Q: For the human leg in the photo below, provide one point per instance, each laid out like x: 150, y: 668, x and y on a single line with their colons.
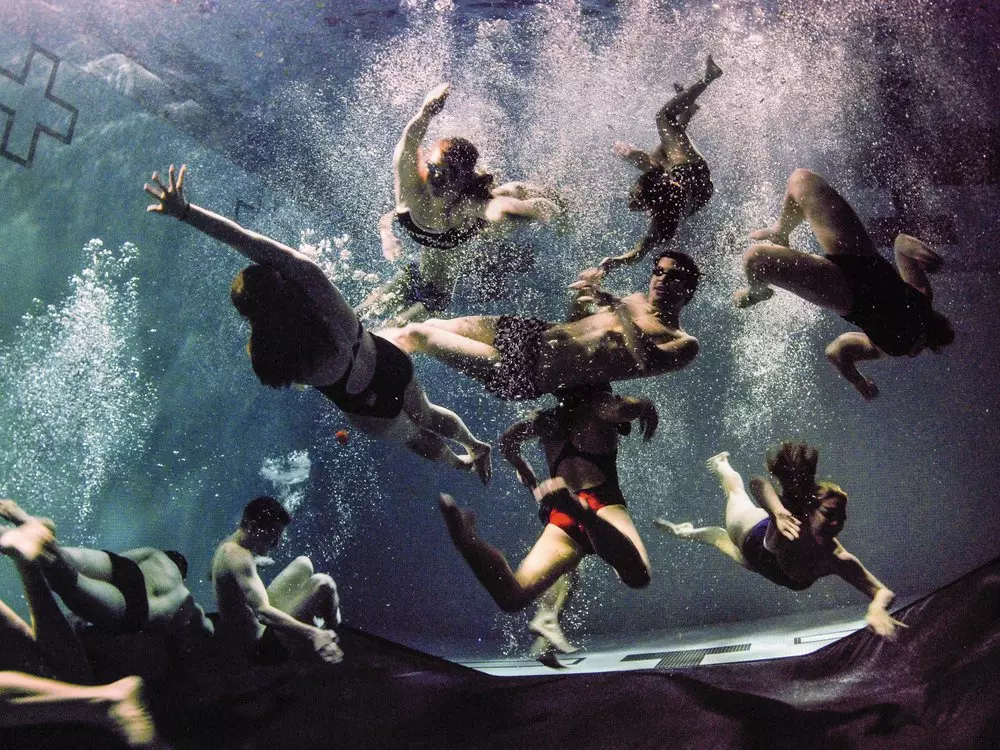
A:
x: 304, y: 594
x: 673, y: 117
x: 741, y: 513
x: 611, y: 532
x: 811, y: 277
x: 467, y: 355
x: 553, y: 554
x: 119, y: 707
x: 914, y: 261
x: 545, y: 624
x: 447, y: 424
x: 808, y: 197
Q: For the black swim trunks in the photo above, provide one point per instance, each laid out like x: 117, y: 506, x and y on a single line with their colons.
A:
x: 761, y: 560
x: 433, y: 297
x: 383, y: 398
x: 439, y: 240
x: 677, y: 192
x: 129, y: 580
x: 519, y: 342
x: 892, y: 313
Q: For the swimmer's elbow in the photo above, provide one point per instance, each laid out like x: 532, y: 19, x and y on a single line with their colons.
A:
x: 688, y: 350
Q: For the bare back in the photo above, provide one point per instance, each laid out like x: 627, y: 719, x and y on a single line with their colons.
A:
x: 239, y: 592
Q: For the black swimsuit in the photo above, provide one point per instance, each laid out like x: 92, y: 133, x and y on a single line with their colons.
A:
x: 127, y: 577
x: 761, y: 560
x: 383, y: 396
x: 608, y: 492
x: 892, y: 313
x: 440, y: 240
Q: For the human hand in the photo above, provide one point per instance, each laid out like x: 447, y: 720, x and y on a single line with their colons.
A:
x: 787, y: 524
x: 324, y: 643
x: 882, y: 623
x: 588, y: 283
x: 392, y: 249
x: 549, y: 487
x: 866, y: 388
x: 434, y: 101
x: 621, y: 149
x: 648, y: 420
x: 170, y: 196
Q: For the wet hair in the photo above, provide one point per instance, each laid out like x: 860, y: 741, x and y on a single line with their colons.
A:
x: 286, y: 335
x: 654, y: 190
x: 939, y: 330
x: 179, y: 560
x: 794, y: 466
x: 685, y: 263
x: 825, y: 489
x: 264, y: 511
x: 461, y: 155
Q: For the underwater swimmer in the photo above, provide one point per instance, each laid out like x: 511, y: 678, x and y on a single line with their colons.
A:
x: 892, y: 306
x: 276, y: 622
x: 675, y: 181
x: 605, y: 338
x: 140, y: 590
x: 791, y: 540
x: 443, y: 202
x: 302, y: 330
x: 582, y: 505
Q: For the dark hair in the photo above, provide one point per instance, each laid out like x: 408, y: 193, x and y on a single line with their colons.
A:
x: 264, y: 511
x: 686, y: 264
x: 286, y: 335
x: 179, y: 560
x: 462, y: 156
x: 939, y: 330
x: 653, y: 190
x: 794, y: 466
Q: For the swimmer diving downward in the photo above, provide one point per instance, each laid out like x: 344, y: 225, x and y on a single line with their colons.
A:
x: 302, y: 330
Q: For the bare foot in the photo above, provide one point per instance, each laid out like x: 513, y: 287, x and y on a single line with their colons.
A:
x: 28, y: 542
x: 712, y: 69
x: 920, y: 251
x: 681, y: 530
x: 11, y: 511
x: 546, y: 625
x: 771, y: 234
x: 461, y: 523
x: 715, y: 463
x: 481, y: 463
x: 547, y: 656
x: 129, y: 715
x: 743, y: 298
x: 866, y: 388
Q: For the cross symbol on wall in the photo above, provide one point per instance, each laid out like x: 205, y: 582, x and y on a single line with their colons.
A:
x: 31, y: 109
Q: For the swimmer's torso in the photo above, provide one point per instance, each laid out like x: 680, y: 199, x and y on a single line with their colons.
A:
x: 236, y: 618
x: 593, y: 349
x: 805, y: 559
x: 585, y: 435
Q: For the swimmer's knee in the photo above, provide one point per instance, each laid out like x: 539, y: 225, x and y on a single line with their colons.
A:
x: 802, y: 180
x: 303, y: 562
x: 757, y: 260
x: 323, y: 582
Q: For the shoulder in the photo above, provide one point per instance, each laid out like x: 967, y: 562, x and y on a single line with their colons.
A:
x: 231, y: 557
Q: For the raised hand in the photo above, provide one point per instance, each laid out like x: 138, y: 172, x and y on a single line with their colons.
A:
x: 170, y: 196
x: 434, y: 102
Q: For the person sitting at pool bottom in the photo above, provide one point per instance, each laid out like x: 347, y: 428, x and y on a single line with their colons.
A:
x: 276, y: 622
x: 605, y: 339
x: 302, y: 330
x: 792, y: 539
x: 442, y: 203
x: 891, y: 306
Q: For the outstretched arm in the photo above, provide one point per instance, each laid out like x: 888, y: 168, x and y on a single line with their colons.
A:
x: 392, y: 248
x: 849, y: 568
x: 765, y: 496
x: 845, y: 352
x: 537, y: 209
x: 510, y: 449
x: 632, y: 155
x: 662, y: 226
x: 406, y: 157
x: 628, y: 408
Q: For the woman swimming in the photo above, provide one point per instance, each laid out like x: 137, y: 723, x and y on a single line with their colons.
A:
x: 792, y: 539
x: 442, y: 202
x: 582, y: 506
x: 302, y: 330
